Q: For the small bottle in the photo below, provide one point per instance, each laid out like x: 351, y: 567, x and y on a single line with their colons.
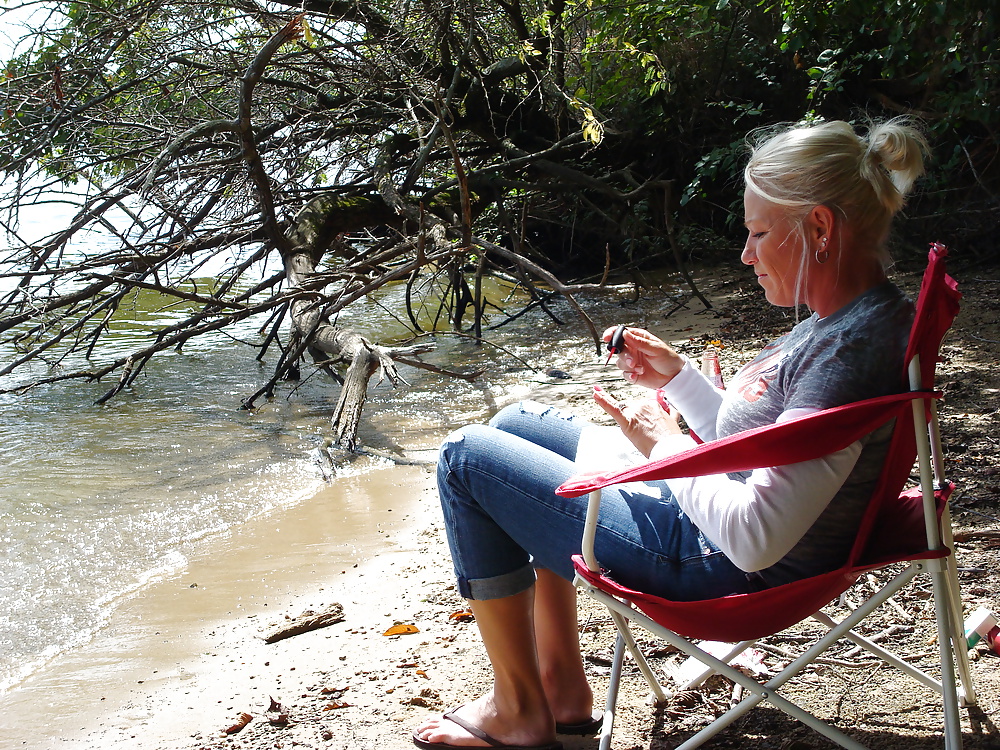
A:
x: 978, y: 626
x: 710, y: 367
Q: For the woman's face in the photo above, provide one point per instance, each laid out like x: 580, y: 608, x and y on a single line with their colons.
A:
x: 773, y: 249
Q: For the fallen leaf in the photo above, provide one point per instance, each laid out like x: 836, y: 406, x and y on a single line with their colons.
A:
x: 239, y: 725
x: 401, y: 629
x: 335, y: 704
x: 276, y: 715
x: 464, y: 615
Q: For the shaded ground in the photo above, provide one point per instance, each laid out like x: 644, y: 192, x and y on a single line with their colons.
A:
x: 381, y: 686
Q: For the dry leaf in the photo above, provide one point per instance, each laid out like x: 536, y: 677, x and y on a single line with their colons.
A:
x: 238, y: 726
x: 464, y: 615
x: 276, y: 715
x: 401, y: 629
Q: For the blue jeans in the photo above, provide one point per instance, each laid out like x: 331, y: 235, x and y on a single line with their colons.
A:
x: 503, y: 519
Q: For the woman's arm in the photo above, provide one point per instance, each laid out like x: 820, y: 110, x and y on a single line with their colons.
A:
x: 758, y: 522
x: 696, y: 398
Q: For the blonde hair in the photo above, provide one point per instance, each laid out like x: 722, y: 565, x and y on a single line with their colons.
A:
x: 863, y: 179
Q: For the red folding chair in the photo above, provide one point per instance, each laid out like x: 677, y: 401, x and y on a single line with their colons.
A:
x: 899, y: 526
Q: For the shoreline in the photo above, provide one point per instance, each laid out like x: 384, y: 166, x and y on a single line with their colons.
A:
x: 180, y: 661
x: 165, y: 667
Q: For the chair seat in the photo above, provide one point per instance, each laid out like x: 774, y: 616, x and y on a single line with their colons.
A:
x: 898, y: 537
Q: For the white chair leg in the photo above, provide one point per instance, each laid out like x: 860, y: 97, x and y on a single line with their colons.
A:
x: 949, y: 689
x: 967, y: 694
x: 612, y: 701
x: 625, y: 633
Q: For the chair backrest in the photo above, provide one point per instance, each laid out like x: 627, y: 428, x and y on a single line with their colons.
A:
x: 893, y: 525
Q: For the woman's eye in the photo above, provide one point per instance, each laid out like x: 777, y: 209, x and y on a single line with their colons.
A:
x: 757, y: 235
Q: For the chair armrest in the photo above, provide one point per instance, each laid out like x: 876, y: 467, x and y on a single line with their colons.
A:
x: 801, y: 439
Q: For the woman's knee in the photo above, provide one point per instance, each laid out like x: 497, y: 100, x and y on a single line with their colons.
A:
x: 511, y: 414
x: 462, y: 445
x: 545, y: 426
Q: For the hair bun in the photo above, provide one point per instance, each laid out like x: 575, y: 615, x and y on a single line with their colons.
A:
x: 896, y: 150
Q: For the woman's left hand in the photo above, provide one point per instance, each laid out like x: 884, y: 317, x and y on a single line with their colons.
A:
x: 644, y: 422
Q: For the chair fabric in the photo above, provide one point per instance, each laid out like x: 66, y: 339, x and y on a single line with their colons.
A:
x: 893, y: 528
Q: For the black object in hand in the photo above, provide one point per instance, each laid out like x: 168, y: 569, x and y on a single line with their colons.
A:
x: 616, y: 344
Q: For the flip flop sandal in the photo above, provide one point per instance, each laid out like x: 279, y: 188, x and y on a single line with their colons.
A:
x: 480, y: 734
x: 590, y: 726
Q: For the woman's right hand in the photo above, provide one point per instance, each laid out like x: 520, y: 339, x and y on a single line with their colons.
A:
x: 646, y: 359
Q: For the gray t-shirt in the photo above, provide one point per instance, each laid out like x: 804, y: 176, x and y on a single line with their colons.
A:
x: 854, y: 354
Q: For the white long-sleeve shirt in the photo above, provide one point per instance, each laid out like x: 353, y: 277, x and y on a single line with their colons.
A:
x: 794, y: 520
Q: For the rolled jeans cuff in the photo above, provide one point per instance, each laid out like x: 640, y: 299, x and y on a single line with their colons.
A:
x: 498, y: 587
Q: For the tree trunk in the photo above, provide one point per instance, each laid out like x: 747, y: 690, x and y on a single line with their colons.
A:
x: 337, y: 346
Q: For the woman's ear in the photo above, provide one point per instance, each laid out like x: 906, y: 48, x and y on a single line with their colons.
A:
x: 820, y: 223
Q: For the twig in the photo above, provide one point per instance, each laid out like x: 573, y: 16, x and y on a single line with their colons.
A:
x: 548, y: 278
x: 891, y: 601
x: 888, y: 632
x: 438, y: 370
x: 970, y: 334
x: 827, y: 660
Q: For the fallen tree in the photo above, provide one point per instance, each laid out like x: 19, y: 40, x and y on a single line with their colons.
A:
x: 271, y: 163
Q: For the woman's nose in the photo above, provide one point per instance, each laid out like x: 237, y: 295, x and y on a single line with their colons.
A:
x: 748, y: 255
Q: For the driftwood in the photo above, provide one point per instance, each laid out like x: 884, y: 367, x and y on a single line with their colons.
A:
x: 307, y: 621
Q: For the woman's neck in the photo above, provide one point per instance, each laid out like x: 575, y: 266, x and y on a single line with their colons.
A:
x: 840, y: 283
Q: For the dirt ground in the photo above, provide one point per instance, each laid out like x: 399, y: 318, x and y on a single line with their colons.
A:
x: 382, y: 686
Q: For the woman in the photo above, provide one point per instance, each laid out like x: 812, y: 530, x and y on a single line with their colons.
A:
x: 818, y: 203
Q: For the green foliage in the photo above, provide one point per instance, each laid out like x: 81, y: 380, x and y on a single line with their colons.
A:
x: 936, y: 58
x: 660, y: 90
x: 690, y: 78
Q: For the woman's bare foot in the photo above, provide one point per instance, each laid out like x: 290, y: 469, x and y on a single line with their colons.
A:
x: 530, y: 727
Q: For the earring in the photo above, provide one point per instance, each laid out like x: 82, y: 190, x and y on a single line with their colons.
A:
x: 822, y: 255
